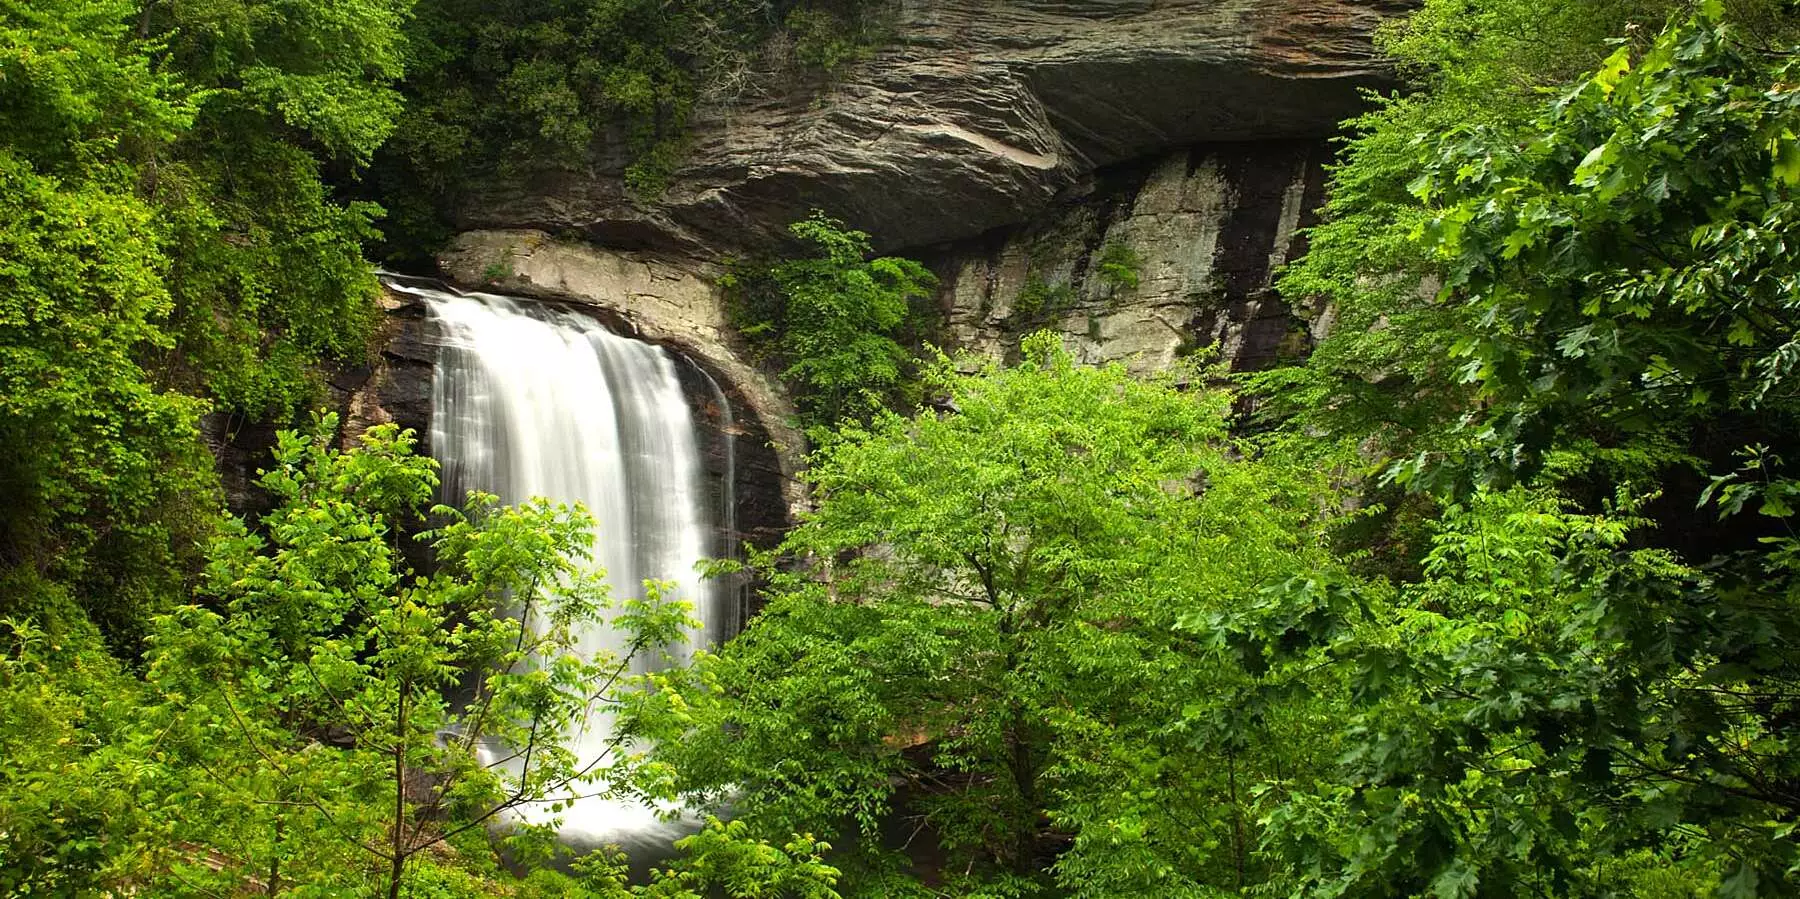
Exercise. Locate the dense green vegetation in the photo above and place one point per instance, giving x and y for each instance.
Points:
(298, 728)
(986, 646)
(168, 247)
(1500, 598)
(1609, 334)
(833, 319)
(1552, 653)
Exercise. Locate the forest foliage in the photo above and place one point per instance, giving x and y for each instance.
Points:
(833, 320)
(1498, 598)
(1578, 679)
(170, 248)
(986, 644)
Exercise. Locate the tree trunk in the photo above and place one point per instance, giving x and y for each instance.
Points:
(1237, 819)
(397, 863)
(274, 885)
(1024, 777)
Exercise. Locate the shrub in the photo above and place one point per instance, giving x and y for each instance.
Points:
(831, 318)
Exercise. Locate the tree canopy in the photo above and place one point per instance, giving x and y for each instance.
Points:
(980, 639)
(1493, 595)
(170, 248)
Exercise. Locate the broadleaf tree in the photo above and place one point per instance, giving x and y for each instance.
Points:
(978, 646)
(1593, 679)
(350, 714)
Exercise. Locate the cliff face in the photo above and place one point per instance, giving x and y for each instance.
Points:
(1138, 263)
(1129, 173)
(977, 115)
(1150, 262)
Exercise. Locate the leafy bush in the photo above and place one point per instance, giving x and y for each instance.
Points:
(1039, 301)
(826, 39)
(1118, 267)
(831, 317)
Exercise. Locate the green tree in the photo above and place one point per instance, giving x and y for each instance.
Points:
(1385, 372)
(1626, 267)
(267, 267)
(104, 480)
(68, 819)
(832, 317)
(169, 248)
(1549, 711)
(979, 639)
(328, 720)
(1585, 682)
(318, 688)
(81, 92)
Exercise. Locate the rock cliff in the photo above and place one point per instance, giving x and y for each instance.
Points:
(1129, 173)
(1149, 262)
(976, 115)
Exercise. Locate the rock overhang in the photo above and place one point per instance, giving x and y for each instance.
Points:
(976, 115)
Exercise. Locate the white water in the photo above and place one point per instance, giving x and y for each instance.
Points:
(531, 400)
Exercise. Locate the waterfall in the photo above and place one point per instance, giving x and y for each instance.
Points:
(529, 399)
(734, 608)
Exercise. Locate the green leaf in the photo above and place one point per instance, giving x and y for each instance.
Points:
(1741, 884)
(1775, 505)
(1613, 69)
(1785, 151)
(1458, 880)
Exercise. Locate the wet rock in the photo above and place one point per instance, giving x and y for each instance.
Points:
(672, 302)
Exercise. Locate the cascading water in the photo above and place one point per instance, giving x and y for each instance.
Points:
(531, 400)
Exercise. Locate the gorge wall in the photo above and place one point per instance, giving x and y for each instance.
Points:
(1150, 262)
(976, 114)
(1032, 152)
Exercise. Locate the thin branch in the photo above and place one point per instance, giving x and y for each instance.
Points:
(244, 728)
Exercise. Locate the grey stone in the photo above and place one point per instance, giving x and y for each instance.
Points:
(1209, 227)
(979, 114)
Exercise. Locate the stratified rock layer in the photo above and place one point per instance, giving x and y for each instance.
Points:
(978, 114)
(1127, 173)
